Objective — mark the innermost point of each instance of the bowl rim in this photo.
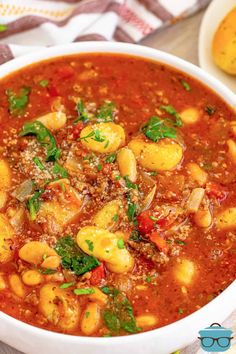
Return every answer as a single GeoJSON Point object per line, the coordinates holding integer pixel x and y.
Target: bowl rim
{"type": "Point", "coordinates": [150, 54]}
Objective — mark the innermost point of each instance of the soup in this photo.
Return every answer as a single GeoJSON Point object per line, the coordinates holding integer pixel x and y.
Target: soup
{"type": "Point", "coordinates": [117, 196]}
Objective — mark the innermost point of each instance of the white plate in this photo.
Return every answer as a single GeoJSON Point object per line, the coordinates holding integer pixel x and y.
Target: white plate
{"type": "Point", "coordinates": [211, 20]}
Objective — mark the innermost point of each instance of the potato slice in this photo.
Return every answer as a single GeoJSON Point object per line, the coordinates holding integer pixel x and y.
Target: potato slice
{"type": "Point", "coordinates": [103, 137]}
{"type": "Point", "coordinates": [53, 120]}
{"type": "Point", "coordinates": [6, 239]}
{"type": "Point", "coordinates": [184, 271]}
{"type": "Point", "coordinates": [127, 163]}
{"type": "Point", "coordinates": [59, 306]}
{"type": "Point", "coordinates": [223, 45]}
{"type": "Point", "coordinates": [5, 175]}
{"type": "Point", "coordinates": [162, 156]}
{"type": "Point", "coordinates": [226, 219]}
{"type": "Point", "coordinates": [35, 252]}
{"type": "Point", "coordinates": [104, 245]}
{"type": "Point", "coordinates": [104, 218]}
{"type": "Point", "coordinates": [17, 286]}
{"type": "Point", "coordinates": [190, 115]}
{"type": "Point", "coordinates": [91, 319]}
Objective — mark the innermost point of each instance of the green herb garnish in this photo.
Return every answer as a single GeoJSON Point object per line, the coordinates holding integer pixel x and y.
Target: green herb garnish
{"type": "Point", "coordinates": [111, 158]}
{"type": "Point", "coordinates": [136, 236]}
{"type": "Point", "coordinates": [172, 111]}
{"type": "Point", "coordinates": [118, 316]}
{"type": "Point", "coordinates": [33, 204]}
{"type": "Point", "coordinates": [148, 279]}
{"type": "Point", "coordinates": [120, 244]}
{"type": "Point", "coordinates": [132, 208]}
{"type": "Point", "coordinates": [3, 28]}
{"type": "Point", "coordinates": [185, 85]}
{"type": "Point", "coordinates": [18, 103]}
{"type": "Point", "coordinates": [179, 242]}
{"type": "Point", "coordinates": [44, 137]}
{"type": "Point", "coordinates": [87, 314]}
{"type": "Point", "coordinates": [38, 163]}
{"type": "Point", "coordinates": [47, 271]}
{"type": "Point", "coordinates": [60, 171]}
{"type": "Point", "coordinates": [156, 129]}
{"type": "Point", "coordinates": [105, 112]}
{"type": "Point", "coordinates": [44, 83]}
{"type": "Point", "coordinates": [90, 245]}
{"type": "Point", "coordinates": [130, 184]}
{"type": "Point", "coordinates": [115, 217]}
{"type": "Point", "coordinates": [85, 291]}
{"type": "Point", "coordinates": [180, 311]}
{"type": "Point", "coordinates": [73, 258]}
{"type": "Point", "coordinates": [99, 167]}
{"type": "Point", "coordinates": [210, 110]}
{"type": "Point", "coordinates": [82, 114]}
{"type": "Point", "coordinates": [67, 285]}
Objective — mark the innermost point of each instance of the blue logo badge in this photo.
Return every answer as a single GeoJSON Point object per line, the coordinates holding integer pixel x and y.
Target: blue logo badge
{"type": "Point", "coordinates": [215, 338]}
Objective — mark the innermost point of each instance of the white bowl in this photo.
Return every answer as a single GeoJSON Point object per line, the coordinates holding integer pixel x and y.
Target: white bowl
{"type": "Point", "coordinates": [215, 13]}
{"type": "Point", "coordinates": [32, 340]}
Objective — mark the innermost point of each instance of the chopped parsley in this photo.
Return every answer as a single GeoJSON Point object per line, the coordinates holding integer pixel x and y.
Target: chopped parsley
{"type": "Point", "coordinates": [210, 110]}
{"type": "Point", "coordinates": [47, 271]}
{"type": "Point", "coordinates": [153, 218]}
{"type": "Point", "coordinates": [66, 285]}
{"type": "Point", "coordinates": [38, 163]}
{"type": "Point", "coordinates": [73, 258]}
{"type": "Point", "coordinates": [98, 137]}
{"type": "Point", "coordinates": [85, 291]}
{"type": "Point", "coordinates": [136, 236]}
{"type": "Point", "coordinates": [82, 114]}
{"type": "Point", "coordinates": [179, 242]}
{"type": "Point", "coordinates": [33, 204]}
{"type": "Point", "coordinates": [44, 137]}
{"type": "Point", "coordinates": [3, 28]}
{"type": "Point", "coordinates": [115, 217]}
{"type": "Point", "coordinates": [105, 112]}
{"type": "Point", "coordinates": [99, 167]}
{"type": "Point", "coordinates": [90, 245]}
{"type": "Point", "coordinates": [18, 103]}
{"type": "Point", "coordinates": [44, 83]}
{"type": "Point", "coordinates": [111, 158]}
{"type": "Point", "coordinates": [180, 311]}
{"type": "Point", "coordinates": [120, 244]}
{"type": "Point", "coordinates": [156, 129]}
{"type": "Point", "coordinates": [148, 279]}
{"type": "Point", "coordinates": [172, 111]}
{"type": "Point", "coordinates": [60, 171]}
{"type": "Point", "coordinates": [132, 208]}
{"type": "Point", "coordinates": [130, 184]}
{"type": "Point", "coordinates": [185, 85]}
{"type": "Point", "coordinates": [87, 314]}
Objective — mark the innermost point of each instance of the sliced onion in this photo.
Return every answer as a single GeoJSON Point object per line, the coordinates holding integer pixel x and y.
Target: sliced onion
{"type": "Point", "coordinates": [195, 199]}
{"type": "Point", "coordinates": [149, 199]}
{"type": "Point", "coordinates": [23, 190]}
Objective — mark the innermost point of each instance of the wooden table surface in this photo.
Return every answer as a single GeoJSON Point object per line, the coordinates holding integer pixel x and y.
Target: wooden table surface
{"type": "Point", "coordinates": [181, 40]}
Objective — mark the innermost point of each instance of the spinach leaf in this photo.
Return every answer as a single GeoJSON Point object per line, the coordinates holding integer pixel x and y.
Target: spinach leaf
{"type": "Point", "coordinates": [60, 171]}
{"type": "Point", "coordinates": [118, 316]}
{"type": "Point", "coordinates": [155, 129]}
{"type": "Point", "coordinates": [105, 112]}
{"type": "Point", "coordinates": [172, 111]}
{"type": "Point", "coordinates": [33, 204]}
{"type": "Point", "coordinates": [17, 103]}
{"type": "Point", "coordinates": [73, 257]}
{"type": "Point", "coordinates": [130, 184]}
{"type": "Point", "coordinates": [44, 137]}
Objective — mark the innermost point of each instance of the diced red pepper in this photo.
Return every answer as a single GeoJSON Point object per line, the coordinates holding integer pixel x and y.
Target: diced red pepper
{"type": "Point", "coordinates": [145, 223]}
{"type": "Point", "coordinates": [159, 241]}
{"type": "Point", "coordinates": [215, 190]}
{"type": "Point", "coordinates": [52, 90]}
{"type": "Point", "coordinates": [98, 274]}
{"type": "Point", "coordinates": [77, 129]}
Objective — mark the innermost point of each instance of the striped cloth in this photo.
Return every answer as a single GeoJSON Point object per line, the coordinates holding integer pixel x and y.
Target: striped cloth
{"type": "Point", "coordinates": [28, 25]}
